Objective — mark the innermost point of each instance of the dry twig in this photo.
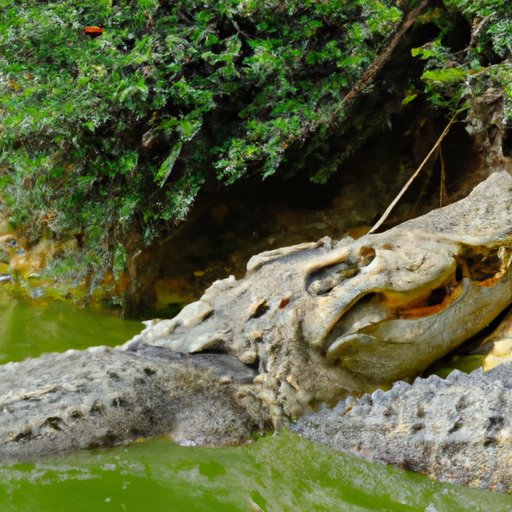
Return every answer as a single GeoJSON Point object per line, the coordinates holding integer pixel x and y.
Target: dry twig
{"type": "Point", "coordinates": [413, 177]}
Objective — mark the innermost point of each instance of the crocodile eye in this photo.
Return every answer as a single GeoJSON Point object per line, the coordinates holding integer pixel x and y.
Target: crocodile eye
{"type": "Point", "coordinates": [483, 265]}
{"type": "Point", "coordinates": [366, 255]}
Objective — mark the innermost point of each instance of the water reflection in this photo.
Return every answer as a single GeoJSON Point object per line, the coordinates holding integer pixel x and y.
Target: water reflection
{"type": "Point", "coordinates": [282, 473]}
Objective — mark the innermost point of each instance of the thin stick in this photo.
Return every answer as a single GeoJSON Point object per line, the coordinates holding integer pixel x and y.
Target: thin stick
{"type": "Point", "coordinates": [413, 177]}
{"type": "Point", "coordinates": [442, 185]}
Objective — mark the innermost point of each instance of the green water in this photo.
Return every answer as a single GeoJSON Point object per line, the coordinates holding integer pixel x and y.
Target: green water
{"type": "Point", "coordinates": [282, 473]}
{"type": "Point", "coordinates": [29, 329]}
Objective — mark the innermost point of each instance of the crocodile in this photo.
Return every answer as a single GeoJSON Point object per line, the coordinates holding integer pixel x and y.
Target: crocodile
{"type": "Point", "coordinates": [308, 325]}
{"type": "Point", "coordinates": [454, 430]}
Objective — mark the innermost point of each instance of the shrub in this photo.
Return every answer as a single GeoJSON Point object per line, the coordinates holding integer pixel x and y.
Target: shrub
{"type": "Point", "coordinates": [122, 131]}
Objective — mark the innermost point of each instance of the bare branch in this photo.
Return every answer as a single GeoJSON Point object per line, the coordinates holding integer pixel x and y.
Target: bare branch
{"type": "Point", "coordinates": [382, 59]}
{"type": "Point", "coordinates": [385, 215]}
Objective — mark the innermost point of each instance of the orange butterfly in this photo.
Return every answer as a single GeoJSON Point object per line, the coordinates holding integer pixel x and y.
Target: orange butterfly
{"type": "Point", "coordinates": [93, 31]}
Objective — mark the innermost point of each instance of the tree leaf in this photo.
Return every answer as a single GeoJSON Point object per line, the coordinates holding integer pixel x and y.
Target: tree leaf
{"type": "Point", "coordinates": [166, 168]}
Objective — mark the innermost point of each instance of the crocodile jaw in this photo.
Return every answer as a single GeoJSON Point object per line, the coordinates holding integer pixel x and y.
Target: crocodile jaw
{"type": "Point", "coordinates": [395, 349]}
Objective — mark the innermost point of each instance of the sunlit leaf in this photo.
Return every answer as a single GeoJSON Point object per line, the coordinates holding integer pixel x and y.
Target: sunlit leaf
{"type": "Point", "coordinates": [166, 168]}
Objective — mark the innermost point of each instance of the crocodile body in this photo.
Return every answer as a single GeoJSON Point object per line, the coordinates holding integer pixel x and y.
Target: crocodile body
{"type": "Point", "coordinates": [60, 403]}
{"type": "Point", "coordinates": [455, 430]}
{"type": "Point", "coordinates": [307, 325]}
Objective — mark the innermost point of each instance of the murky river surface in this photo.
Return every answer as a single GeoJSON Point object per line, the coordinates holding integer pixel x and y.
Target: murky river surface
{"type": "Point", "coordinates": [282, 473]}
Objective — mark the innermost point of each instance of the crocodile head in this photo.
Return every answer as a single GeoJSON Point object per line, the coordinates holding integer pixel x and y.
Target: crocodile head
{"type": "Point", "coordinates": [324, 319]}
{"type": "Point", "coordinates": [387, 306]}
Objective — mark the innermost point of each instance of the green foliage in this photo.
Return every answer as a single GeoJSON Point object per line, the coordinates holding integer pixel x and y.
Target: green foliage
{"type": "Point", "coordinates": [452, 77]}
{"type": "Point", "coordinates": [107, 134]}
{"type": "Point", "coordinates": [119, 133]}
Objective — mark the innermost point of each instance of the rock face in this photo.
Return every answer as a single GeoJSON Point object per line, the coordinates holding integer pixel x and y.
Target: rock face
{"type": "Point", "coordinates": [455, 430]}
{"type": "Point", "coordinates": [309, 324]}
